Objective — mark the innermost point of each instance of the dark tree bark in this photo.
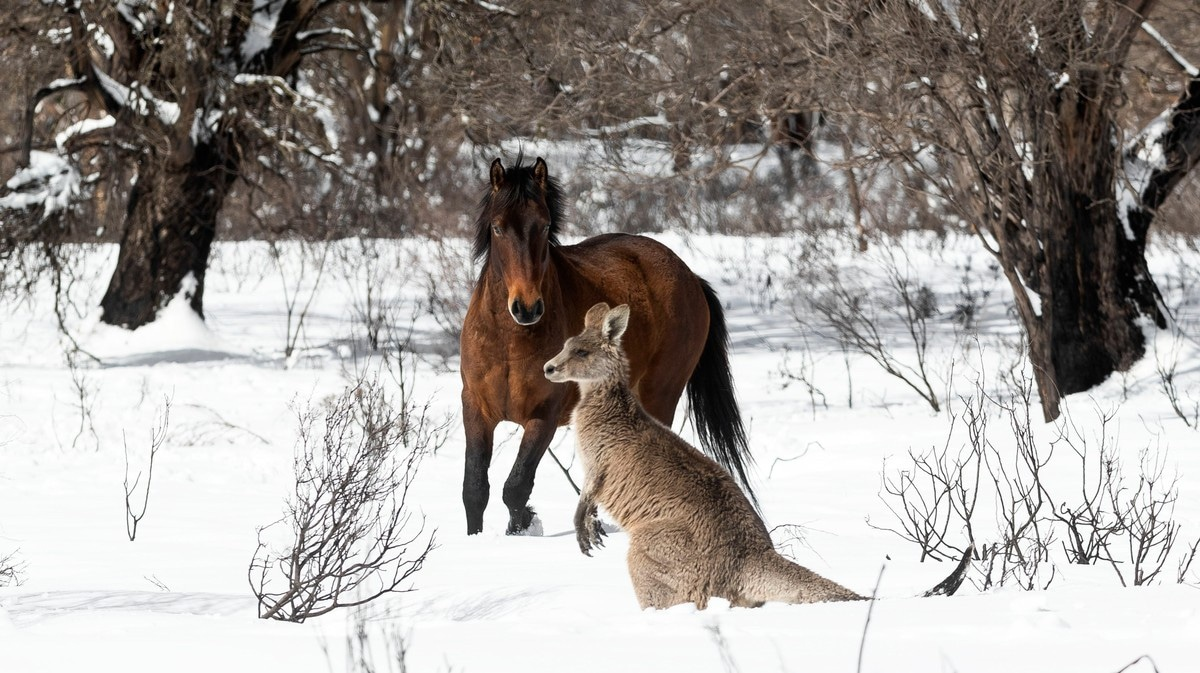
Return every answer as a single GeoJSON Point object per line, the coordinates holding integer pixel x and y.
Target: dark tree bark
{"type": "Point", "coordinates": [170, 226]}
{"type": "Point", "coordinates": [1023, 108]}
{"type": "Point", "coordinates": [186, 91]}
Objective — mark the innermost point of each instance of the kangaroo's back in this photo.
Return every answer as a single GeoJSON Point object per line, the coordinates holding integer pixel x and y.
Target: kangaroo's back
{"type": "Point", "coordinates": [693, 534]}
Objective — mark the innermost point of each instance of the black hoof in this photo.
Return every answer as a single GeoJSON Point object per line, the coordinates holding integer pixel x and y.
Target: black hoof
{"type": "Point", "coordinates": [519, 520]}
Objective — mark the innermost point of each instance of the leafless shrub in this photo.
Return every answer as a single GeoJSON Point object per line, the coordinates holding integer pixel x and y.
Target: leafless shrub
{"type": "Point", "coordinates": [215, 428]}
{"type": "Point", "coordinates": [1186, 402]}
{"type": "Point", "coordinates": [1185, 562]}
{"type": "Point", "coordinates": [352, 537]}
{"type": "Point", "coordinates": [863, 322]}
{"type": "Point", "coordinates": [366, 640]}
{"type": "Point", "coordinates": [789, 538]}
{"type": "Point", "coordinates": [448, 284]}
{"type": "Point", "coordinates": [940, 500]}
{"type": "Point", "coordinates": [373, 275]}
{"type": "Point", "coordinates": [804, 374]}
{"type": "Point", "coordinates": [1151, 531]}
{"type": "Point", "coordinates": [972, 299]}
{"type": "Point", "coordinates": [311, 257]}
{"type": "Point", "coordinates": [12, 570]}
{"type": "Point", "coordinates": [158, 435]}
{"type": "Point", "coordinates": [1094, 519]}
{"type": "Point", "coordinates": [83, 394]}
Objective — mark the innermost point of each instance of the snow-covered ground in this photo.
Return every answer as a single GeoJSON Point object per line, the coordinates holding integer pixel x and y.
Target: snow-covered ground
{"type": "Point", "coordinates": [177, 599]}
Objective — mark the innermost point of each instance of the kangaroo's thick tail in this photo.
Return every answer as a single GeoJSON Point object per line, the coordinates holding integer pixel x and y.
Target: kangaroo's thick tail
{"type": "Point", "coordinates": [714, 407]}
{"type": "Point", "coordinates": [771, 577]}
{"type": "Point", "coordinates": [948, 586]}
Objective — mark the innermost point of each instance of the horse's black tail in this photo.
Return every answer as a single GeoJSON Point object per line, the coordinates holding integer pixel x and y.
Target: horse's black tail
{"type": "Point", "coordinates": [714, 407]}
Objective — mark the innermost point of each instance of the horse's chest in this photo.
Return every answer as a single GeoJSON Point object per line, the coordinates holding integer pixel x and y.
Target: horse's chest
{"type": "Point", "coordinates": [511, 387]}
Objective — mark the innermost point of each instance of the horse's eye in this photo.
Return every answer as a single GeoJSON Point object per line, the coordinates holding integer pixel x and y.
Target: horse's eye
{"type": "Point", "coordinates": [496, 229]}
{"type": "Point", "coordinates": [546, 228]}
{"type": "Point", "coordinates": [579, 352]}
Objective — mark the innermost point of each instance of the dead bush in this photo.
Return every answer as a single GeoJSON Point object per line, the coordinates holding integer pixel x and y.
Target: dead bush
{"type": "Point", "coordinates": [12, 570]}
{"type": "Point", "coordinates": [941, 500]}
{"type": "Point", "coordinates": [350, 537]}
{"type": "Point", "coordinates": [841, 305]}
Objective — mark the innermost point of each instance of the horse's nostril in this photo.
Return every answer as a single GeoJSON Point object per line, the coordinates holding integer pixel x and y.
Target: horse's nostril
{"type": "Point", "coordinates": [549, 368]}
{"type": "Point", "coordinates": [515, 309]}
{"type": "Point", "coordinates": [538, 308]}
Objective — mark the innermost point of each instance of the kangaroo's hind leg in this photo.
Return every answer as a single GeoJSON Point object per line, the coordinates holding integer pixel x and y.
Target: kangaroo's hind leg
{"type": "Point", "coordinates": [664, 567]}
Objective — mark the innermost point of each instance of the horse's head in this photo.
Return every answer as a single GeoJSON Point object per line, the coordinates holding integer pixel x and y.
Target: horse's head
{"type": "Point", "coordinates": [518, 223]}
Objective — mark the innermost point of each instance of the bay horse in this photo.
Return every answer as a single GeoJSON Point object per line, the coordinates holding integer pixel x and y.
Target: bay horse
{"type": "Point", "coordinates": [533, 292]}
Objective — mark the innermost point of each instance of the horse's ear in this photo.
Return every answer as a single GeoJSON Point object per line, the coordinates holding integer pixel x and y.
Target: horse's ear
{"type": "Point", "coordinates": [595, 315]}
{"type": "Point", "coordinates": [540, 172]}
{"type": "Point", "coordinates": [615, 322]}
{"type": "Point", "coordinates": [497, 175]}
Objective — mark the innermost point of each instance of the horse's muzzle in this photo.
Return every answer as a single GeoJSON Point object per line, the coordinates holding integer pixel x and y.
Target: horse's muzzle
{"type": "Point", "coordinates": [525, 315]}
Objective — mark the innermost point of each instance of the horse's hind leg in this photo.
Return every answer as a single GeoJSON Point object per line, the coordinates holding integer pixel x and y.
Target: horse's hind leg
{"type": "Point", "coordinates": [475, 468]}
{"type": "Point", "coordinates": [538, 433]}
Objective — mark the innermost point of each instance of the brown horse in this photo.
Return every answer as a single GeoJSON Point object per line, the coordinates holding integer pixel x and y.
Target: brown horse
{"type": "Point", "coordinates": [533, 293]}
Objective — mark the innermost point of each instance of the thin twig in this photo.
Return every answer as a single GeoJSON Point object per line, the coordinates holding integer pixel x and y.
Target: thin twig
{"type": "Point", "coordinates": [862, 643]}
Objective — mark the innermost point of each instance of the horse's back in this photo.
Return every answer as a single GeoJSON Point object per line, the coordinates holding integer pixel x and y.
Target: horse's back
{"type": "Point", "coordinates": [669, 313]}
{"type": "Point", "coordinates": [628, 265]}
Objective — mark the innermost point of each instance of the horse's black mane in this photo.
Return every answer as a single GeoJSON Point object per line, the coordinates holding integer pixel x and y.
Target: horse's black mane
{"type": "Point", "coordinates": [519, 186]}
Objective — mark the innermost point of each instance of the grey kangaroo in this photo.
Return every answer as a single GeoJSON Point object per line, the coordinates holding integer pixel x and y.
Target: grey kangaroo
{"type": "Point", "coordinates": [693, 534]}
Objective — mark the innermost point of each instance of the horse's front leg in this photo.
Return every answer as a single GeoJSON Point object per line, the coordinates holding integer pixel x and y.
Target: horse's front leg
{"type": "Point", "coordinates": [536, 440]}
{"type": "Point", "coordinates": [478, 433]}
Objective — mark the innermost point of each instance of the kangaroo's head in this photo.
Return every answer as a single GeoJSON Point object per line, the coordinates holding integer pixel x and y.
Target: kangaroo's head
{"type": "Point", "coordinates": [594, 355]}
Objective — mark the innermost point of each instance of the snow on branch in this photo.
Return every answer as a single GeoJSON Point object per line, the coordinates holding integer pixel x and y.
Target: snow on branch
{"type": "Point", "coordinates": [1159, 156]}
{"type": "Point", "coordinates": [492, 7]}
{"type": "Point", "coordinates": [138, 98]}
{"type": "Point", "coordinates": [306, 35]}
{"type": "Point", "coordinates": [1186, 65]}
{"type": "Point", "coordinates": [82, 128]}
{"type": "Point", "coordinates": [624, 127]}
{"type": "Point", "coordinates": [263, 20]}
{"type": "Point", "coordinates": [51, 182]}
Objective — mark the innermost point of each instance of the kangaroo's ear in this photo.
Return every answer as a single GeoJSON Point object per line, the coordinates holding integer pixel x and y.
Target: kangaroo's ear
{"type": "Point", "coordinates": [615, 322]}
{"type": "Point", "coordinates": [497, 175]}
{"type": "Point", "coordinates": [540, 173]}
{"type": "Point", "coordinates": [595, 315]}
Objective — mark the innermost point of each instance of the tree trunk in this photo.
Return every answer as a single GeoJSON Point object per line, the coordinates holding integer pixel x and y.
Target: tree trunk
{"type": "Point", "coordinates": [1088, 266]}
{"type": "Point", "coordinates": [1098, 289]}
{"type": "Point", "coordinates": [169, 229]}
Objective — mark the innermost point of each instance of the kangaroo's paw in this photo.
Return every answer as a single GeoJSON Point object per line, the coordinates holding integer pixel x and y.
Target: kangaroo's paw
{"type": "Point", "coordinates": [590, 535]}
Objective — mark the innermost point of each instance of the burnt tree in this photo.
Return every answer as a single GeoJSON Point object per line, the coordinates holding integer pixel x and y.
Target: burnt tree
{"type": "Point", "coordinates": [1014, 113]}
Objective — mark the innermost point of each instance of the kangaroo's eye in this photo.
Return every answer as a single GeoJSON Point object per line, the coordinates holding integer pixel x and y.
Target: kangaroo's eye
{"type": "Point", "coordinates": [582, 353]}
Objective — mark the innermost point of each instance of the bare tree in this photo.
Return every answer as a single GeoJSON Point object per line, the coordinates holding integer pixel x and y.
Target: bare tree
{"type": "Point", "coordinates": [1012, 112]}
{"type": "Point", "coordinates": [180, 100]}
{"type": "Point", "coordinates": [351, 536]}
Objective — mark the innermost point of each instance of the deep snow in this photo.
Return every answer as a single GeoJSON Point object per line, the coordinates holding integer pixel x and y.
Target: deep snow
{"type": "Point", "coordinates": [177, 598]}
